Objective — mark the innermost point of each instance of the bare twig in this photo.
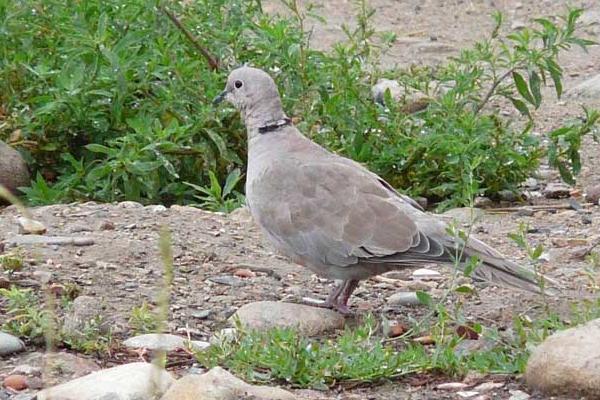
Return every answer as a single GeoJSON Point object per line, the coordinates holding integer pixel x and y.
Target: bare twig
{"type": "Point", "coordinates": [213, 63]}
{"type": "Point", "coordinates": [544, 207]}
{"type": "Point", "coordinates": [490, 92]}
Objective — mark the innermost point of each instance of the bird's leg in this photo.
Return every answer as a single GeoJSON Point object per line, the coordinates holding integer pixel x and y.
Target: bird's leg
{"type": "Point", "coordinates": [342, 299]}
{"type": "Point", "coordinates": [338, 298]}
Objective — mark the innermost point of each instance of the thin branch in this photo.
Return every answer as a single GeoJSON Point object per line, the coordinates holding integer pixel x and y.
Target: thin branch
{"type": "Point", "coordinates": [213, 63]}
{"type": "Point", "coordinates": [490, 93]}
{"type": "Point", "coordinates": [544, 207]}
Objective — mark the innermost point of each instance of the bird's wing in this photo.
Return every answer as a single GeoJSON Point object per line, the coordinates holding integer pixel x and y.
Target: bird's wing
{"type": "Point", "coordinates": [333, 213]}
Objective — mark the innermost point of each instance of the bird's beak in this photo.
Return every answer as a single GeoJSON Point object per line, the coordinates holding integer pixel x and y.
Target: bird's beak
{"type": "Point", "coordinates": [220, 97]}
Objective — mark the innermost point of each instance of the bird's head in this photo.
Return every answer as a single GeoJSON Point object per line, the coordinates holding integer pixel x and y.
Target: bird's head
{"type": "Point", "coordinates": [254, 93]}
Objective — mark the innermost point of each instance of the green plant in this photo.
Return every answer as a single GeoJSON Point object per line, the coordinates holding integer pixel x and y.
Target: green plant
{"type": "Point", "coordinates": [26, 317]}
{"type": "Point", "coordinates": [217, 198]}
{"type": "Point", "coordinates": [93, 338]}
{"type": "Point", "coordinates": [143, 319]}
{"type": "Point", "coordinates": [12, 261]}
{"type": "Point", "coordinates": [112, 102]}
{"type": "Point", "coordinates": [283, 355]}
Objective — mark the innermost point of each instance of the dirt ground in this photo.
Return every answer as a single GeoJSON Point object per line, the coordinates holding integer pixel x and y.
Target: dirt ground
{"type": "Point", "coordinates": [122, 268]}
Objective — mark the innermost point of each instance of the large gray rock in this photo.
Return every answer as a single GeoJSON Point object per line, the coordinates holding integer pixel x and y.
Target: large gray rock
{"type": "Point", "coordinates": [13, 169]}
{"type": "Point", "coordinates": [163, 341]}
{"type": "Point", "coordinates": [10, 344]}
{"type": "Point", "coordinates": [218, 384]}
{"type": "Point", "coordinates": [135, 381]}
{"type": "Point", "coordinates": [264, 315]}
{"type": "Point", "coordinates": [568, 362]}
{"type": "Point", "coordinates": [85, 311]}
{"type": "Point", "coordinates": [587, 90]}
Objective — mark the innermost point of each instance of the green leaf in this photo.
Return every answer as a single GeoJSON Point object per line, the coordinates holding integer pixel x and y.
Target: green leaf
{"type": "Point", "coordinates": [232, 180]}
{"type": "Point", "coordinates": [556, 75]}
{"type": "Point", "coordinates": [565, 173]}
{"type": "Point", "coordinates": [521, 106]}
{"type": "Point", "coordinates": [98, 148]}
{"type": "Point", "coordinates": [522, 87]}
{"type": "Point", "coordinates": [537, 252]}
{"type": "Point", "coordinates": [535, 84]}
{"type": "Point", "coordinates": [424, 298]}
{"type": "Point", "coordinates": [465, 289]}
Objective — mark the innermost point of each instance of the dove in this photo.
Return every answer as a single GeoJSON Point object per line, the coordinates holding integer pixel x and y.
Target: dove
{"type": "Point", "coordinates": [332, 215]}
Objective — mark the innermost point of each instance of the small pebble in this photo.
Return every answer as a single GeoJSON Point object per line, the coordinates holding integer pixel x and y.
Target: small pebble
{"type": "Point", "coordinates": [15, 382]}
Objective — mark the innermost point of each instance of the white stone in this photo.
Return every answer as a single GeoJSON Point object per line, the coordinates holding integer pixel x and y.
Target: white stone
{"type": "Point", "coordinates": [30, 226]}
{"type": "Point", "coordinates": [163, 341]}
{"type": "Point", "coordinates": [424, 273]}
{"type": "Point", "coordinates": [218, 384]}
{"type": "Point", "coordinates": [125, 382]}
{"type": "Point", "coordinates": [567, 362]}
{"type": "Point", "coordinates": [10, 344]}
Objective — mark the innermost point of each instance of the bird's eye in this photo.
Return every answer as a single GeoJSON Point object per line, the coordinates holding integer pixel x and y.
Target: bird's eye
{"type": "Point", "coordinates": [238, 84]}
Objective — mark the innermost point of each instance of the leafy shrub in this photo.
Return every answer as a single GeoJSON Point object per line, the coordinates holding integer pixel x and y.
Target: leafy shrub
{"type": "Point", "coordinates": [111, 102]}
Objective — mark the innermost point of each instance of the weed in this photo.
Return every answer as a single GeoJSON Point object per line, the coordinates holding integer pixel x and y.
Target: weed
{"type": "Point", "coordinates": [143, 319]}
{"type": "Point", "coordinates": [12, 261]}
{"type": "Point", "coordinates": [92, 339]}
{"type": "Point", "coordinates": [26, 318]}
{"type": "Point", "coordinates": [107, 104]}
{"type": "Point", "coordinates": [217, 198]}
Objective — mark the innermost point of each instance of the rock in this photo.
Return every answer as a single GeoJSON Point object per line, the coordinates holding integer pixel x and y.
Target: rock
{"type": "Point", "coordinates": [452, 386]}
{"type": "Point", "coordinates": [126, 382]}
{"type": "Point", "coordinates": [531, 184]}
{"type": "Point", "coordinates": [464, 215]}
{"type": "Point", "coordinates": [518, 395]}
{"type": "Point", "coordinates": [10, 344]}
{"type": "Point", "coordinates": [567, 362]}
{"type": "Point", "coordinates": [488, 386]}
{"type": "Point", "coordinates": [227, 280]}
{"type": "Point", "coordinates": [157, 209]}
{"type": "Point", "coordinates": [587, 90]}
{"type": "Point", "coordinates": [244, 273]}
{"type": "Point", "coordinates": [30, 226]}
{"type": "Point", "coordinates": [26, 369]}
{"type": "Point", "coordinates": [85, 310]}
{"type": "Point", "coordinates": [482, 202]}
{"type": "Point", "coordinates": [241, 215]}
{"type": "Point", "coordinates": [34, 382]}
{"type": "Point", "coordinates": [403, 299]}
{"type": "Point", "coordinates": [165, 341]}
{"type": "Point", "coordinates": [517, 25]}
{"type": "Point", "coordinates": [508, 195]}
{"type": "Point", "coordinates": [43, 276]}
{"type": "Point", "coordinates": [264, 315]}
{"type": "Point", "coordinates": [13, 169]}
{"type": "Point", "coordinates": [201, 314]}
{"type": "Point", "coordinates": [424, 273]}
{"type": "Point", "coordinates": [422, 201]}
{"type": "Point", "coordinates": [592, 194]}
{"type": "Point", "coordinates": [58, 367]}
{"type": "Point", "coordinates": [555, 190]}
{"type": "Point", "coordinates": [15, 382]}
{"type": "Point", "coordinates": [19, 240]}
{"type": "Point", "coordinates": [218, 384]}
{"type": "Point", "coordinates": [130, 205]}
{"type": "Point", "coordinates": [378, 90]}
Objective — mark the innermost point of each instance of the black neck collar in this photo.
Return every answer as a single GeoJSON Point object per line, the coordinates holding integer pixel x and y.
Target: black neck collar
{"type": "Point", "coordinates": [272, 126]}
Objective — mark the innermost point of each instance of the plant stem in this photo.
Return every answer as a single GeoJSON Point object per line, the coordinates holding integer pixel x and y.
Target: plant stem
{"type": "Point", "coordinates": [490, 92]}
{"type": "Point", "coordinates": [213, 63]}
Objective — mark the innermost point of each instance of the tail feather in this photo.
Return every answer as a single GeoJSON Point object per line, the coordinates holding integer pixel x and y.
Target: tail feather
{"type": "Point", "coordinates": [495, 268]}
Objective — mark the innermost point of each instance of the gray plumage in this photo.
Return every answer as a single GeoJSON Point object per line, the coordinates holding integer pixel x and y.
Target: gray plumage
{"type": "Point", "coordinates": [331, 214]}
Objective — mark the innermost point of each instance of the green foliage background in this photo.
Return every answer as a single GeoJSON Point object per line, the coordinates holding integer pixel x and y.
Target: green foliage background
{"type": "Point", "coordinates": [109, 101]}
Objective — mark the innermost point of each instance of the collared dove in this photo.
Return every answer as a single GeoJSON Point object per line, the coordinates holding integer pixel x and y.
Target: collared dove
{"type": "Point", "coordinates": [331, 214]}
